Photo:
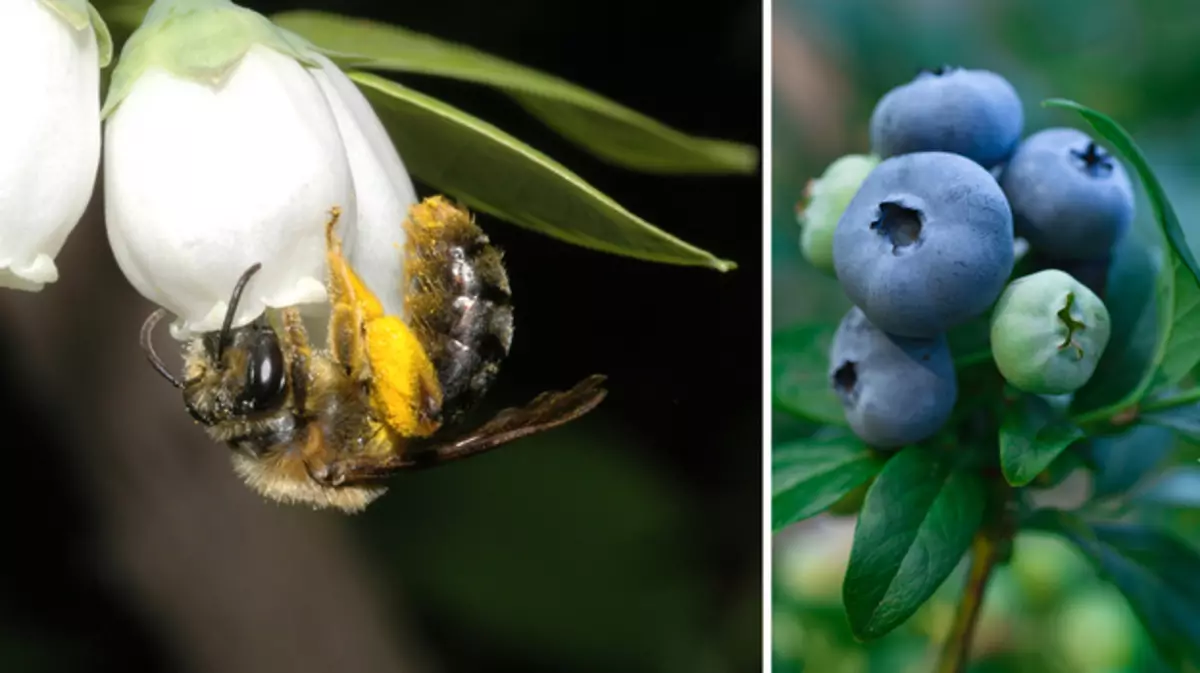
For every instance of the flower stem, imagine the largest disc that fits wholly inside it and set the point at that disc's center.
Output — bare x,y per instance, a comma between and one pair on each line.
957,646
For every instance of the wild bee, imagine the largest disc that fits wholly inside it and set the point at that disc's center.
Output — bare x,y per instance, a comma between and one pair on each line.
325,427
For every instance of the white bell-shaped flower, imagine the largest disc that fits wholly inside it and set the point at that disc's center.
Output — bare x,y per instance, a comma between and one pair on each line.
382,184
51,52
221,151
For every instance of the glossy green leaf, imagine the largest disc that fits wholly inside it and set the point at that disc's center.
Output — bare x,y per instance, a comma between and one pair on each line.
1032,435
917,522
493,172
800,373
1177,350
1155,571
605,128
810,475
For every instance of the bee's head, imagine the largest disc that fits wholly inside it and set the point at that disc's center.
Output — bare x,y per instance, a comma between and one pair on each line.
231,374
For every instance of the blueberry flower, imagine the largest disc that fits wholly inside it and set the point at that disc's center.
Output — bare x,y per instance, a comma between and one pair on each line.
227,143
51,52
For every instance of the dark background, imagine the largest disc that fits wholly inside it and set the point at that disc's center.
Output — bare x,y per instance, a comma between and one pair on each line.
629,540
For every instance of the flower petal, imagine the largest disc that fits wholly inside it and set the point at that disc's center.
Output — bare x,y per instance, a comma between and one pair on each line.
49,142
382,186
203,181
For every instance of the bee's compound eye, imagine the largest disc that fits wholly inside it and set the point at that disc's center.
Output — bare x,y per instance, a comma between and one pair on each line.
264,373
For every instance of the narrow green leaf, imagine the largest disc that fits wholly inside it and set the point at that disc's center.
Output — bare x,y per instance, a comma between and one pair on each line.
810,475
493,172
1032,435
1178,347
1155,571
607,129
917,522
800,373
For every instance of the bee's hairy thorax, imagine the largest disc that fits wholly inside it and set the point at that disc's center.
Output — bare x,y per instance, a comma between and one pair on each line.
458,300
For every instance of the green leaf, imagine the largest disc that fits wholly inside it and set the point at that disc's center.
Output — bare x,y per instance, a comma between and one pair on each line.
1121,461
1032,435
800,373
1177,488
1155,571
493,172
1184,420
607,129
1178,350
810,475
1133,307
917,522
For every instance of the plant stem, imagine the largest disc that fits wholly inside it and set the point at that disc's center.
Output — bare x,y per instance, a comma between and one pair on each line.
957,646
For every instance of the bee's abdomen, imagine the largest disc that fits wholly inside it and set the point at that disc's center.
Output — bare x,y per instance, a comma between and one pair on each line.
458,300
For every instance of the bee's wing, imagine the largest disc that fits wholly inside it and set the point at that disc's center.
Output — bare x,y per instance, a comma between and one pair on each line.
546,411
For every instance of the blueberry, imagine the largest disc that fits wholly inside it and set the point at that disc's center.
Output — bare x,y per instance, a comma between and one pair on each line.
1070,198
975,113
827,198
1048,332
895,390
925,244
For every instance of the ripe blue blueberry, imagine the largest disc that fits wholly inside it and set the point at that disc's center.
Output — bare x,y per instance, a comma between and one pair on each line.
975,113
1070,198
895,390
925,244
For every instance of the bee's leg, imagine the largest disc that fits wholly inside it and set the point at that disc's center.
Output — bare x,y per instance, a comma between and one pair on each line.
351,305
298,352
544,412
379,351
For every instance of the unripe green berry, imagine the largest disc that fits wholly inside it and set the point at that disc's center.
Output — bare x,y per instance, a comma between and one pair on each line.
1048,332
826,200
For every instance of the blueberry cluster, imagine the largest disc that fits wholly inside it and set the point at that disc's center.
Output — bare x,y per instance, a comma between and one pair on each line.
923,235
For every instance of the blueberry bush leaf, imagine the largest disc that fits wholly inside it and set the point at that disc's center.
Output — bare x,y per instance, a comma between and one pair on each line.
607,129
810,475
1133,306
1178,350
492,172
800,373
1184,420
917,521
1177,488
1032,435
1153,569
1119,462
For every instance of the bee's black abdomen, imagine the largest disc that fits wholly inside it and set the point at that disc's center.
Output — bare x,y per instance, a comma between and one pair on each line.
459,301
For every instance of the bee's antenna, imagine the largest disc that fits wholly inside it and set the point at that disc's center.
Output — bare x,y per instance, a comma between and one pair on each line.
227,326
148,346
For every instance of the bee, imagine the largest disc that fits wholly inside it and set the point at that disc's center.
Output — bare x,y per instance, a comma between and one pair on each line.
325,427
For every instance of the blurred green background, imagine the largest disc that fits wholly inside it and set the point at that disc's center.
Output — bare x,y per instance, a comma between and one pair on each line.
627,541
832,60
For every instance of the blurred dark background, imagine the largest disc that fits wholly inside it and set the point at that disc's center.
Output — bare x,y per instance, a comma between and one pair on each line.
629,540
1046,612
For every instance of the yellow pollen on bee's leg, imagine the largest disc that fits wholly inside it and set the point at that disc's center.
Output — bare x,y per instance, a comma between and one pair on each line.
404,382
